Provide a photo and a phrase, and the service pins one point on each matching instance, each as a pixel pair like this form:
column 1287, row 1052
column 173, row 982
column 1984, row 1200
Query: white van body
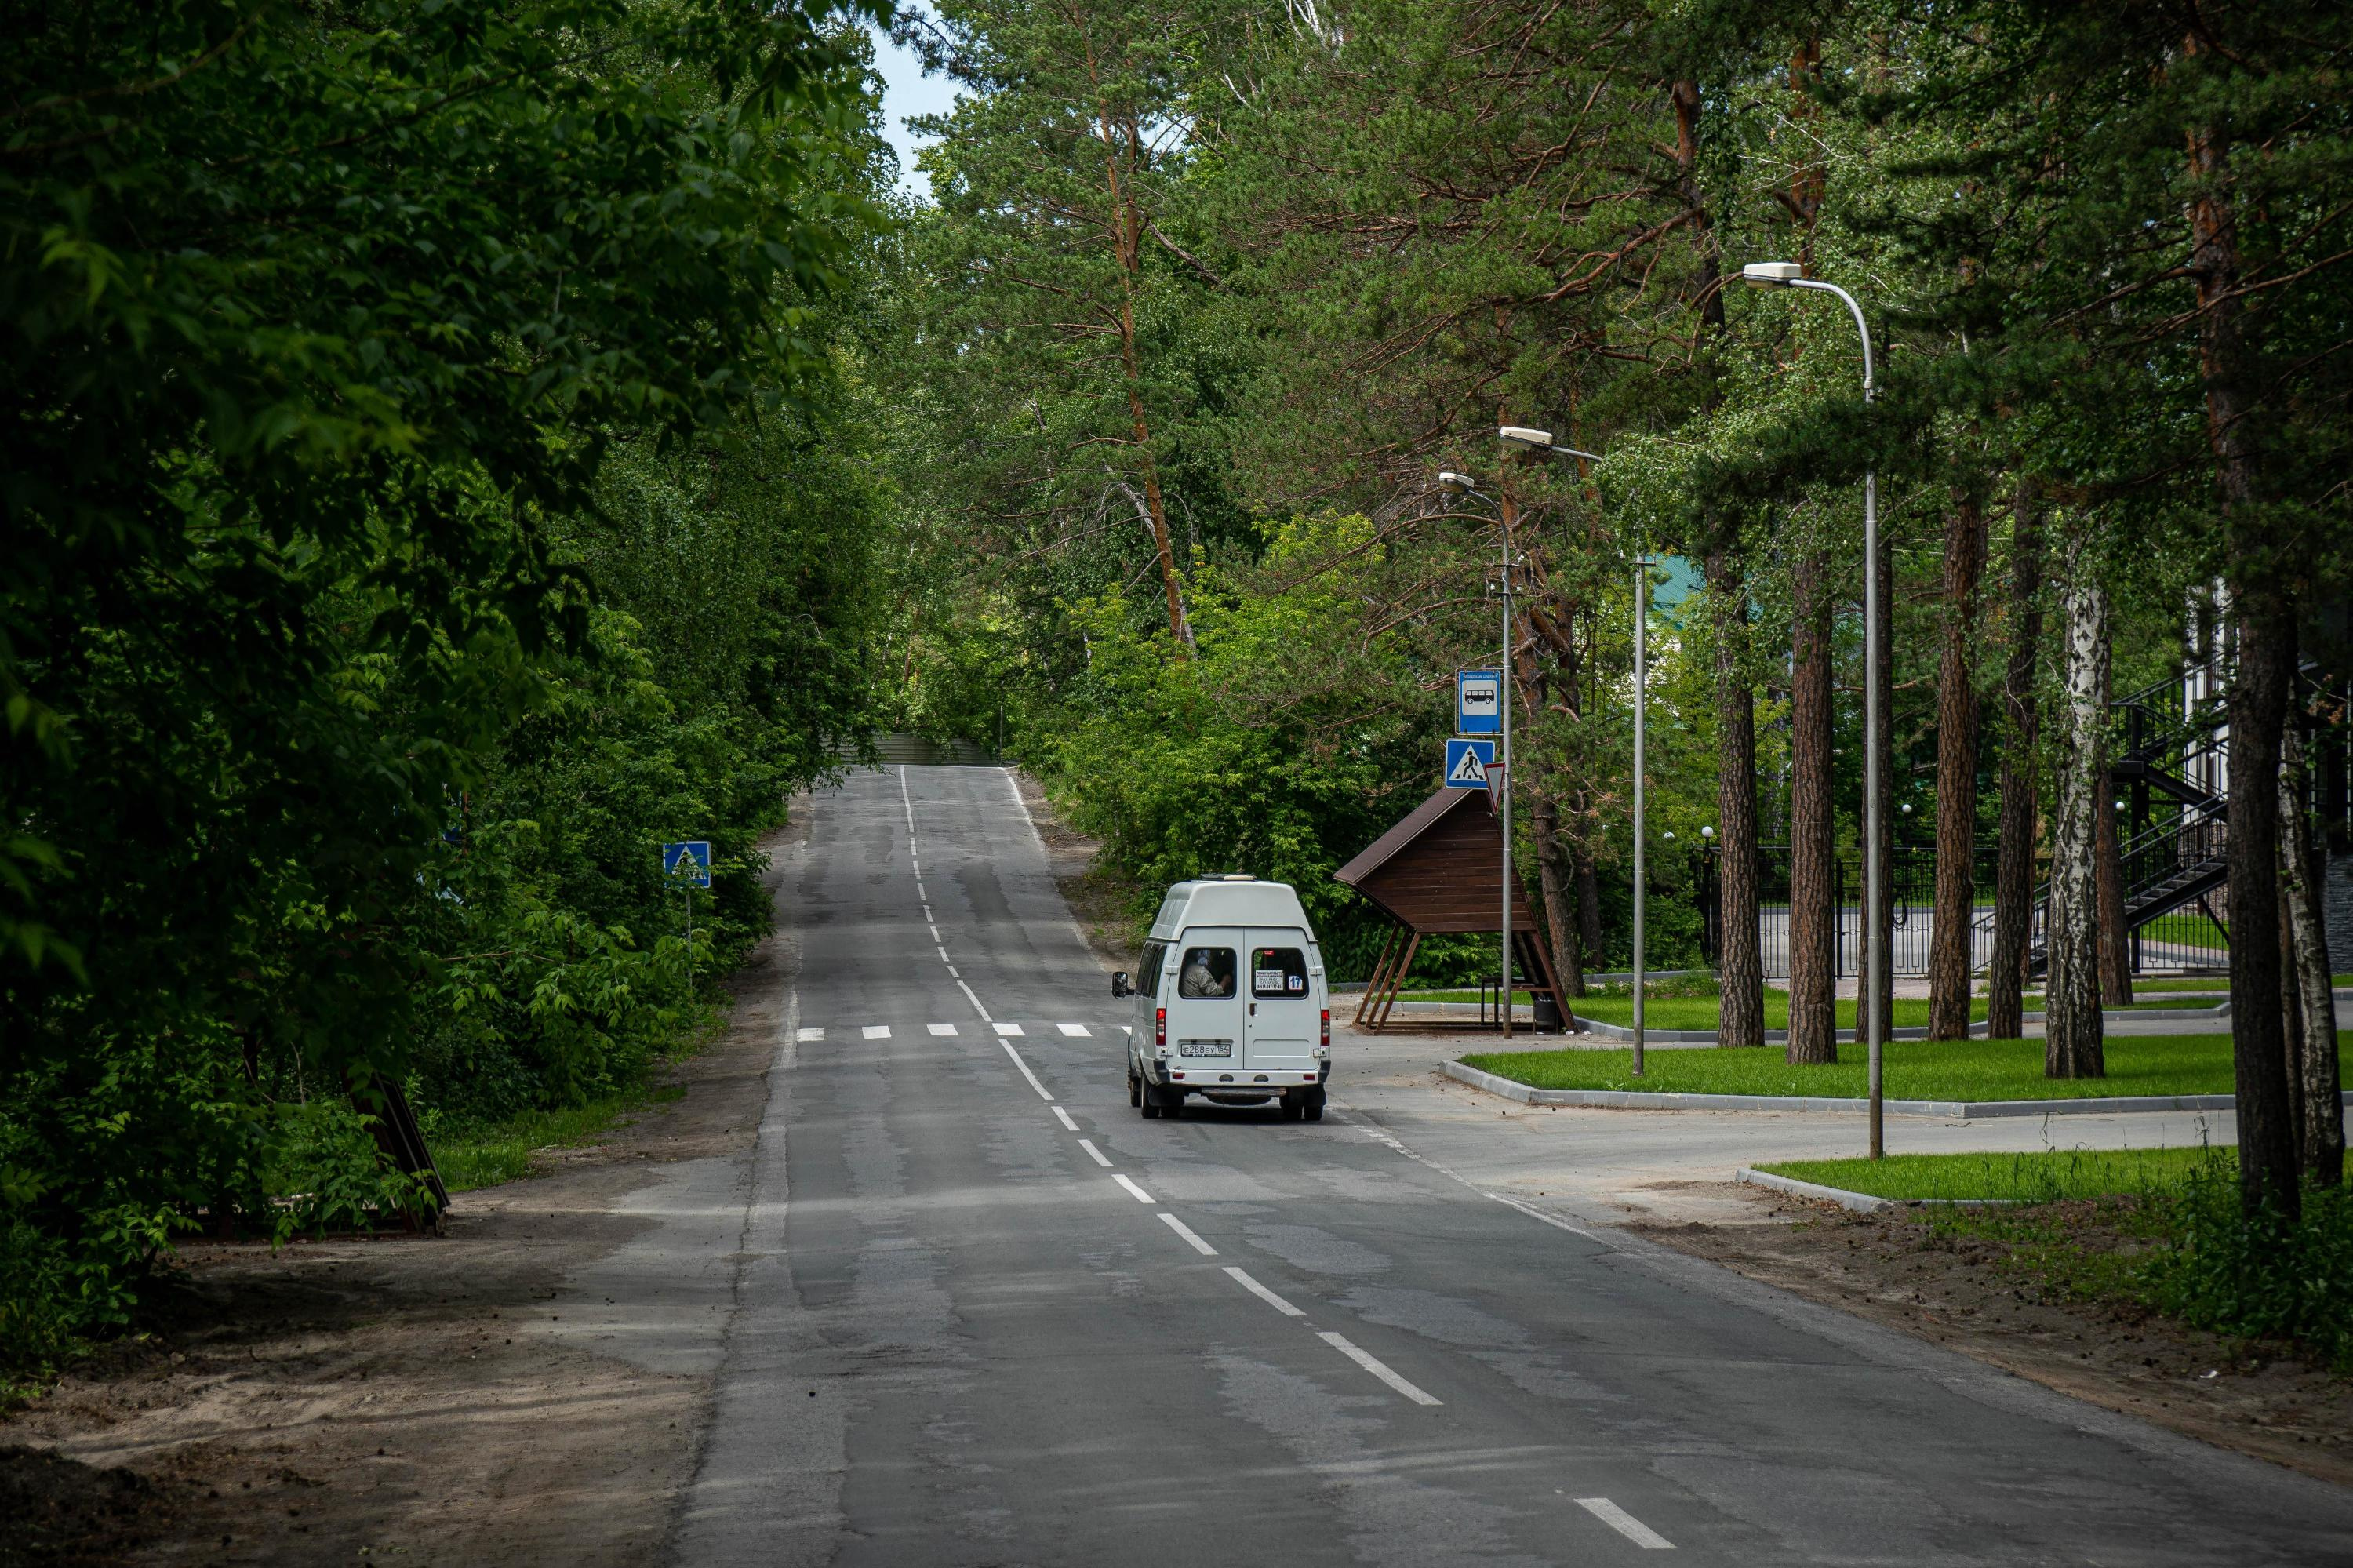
column 1230, row 1001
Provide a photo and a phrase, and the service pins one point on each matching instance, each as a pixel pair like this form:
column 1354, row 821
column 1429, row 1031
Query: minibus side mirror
column 1120, row 986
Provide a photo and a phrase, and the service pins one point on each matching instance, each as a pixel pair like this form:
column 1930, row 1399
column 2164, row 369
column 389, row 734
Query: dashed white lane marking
column 1372, row 1364
column 1068, row 1124
column 1099, row 1158
column 1140, row 1195
column 952, row 972
column 1026, row 1072
column 808, row 1035
column 934, row 930
column 942, row 951
column 1625, row 1524
column 877, row 1032
column 1009, row 1032
column 1182, row 1229
column 1263, row 1294
column 1128, row 1029
column 946, row 1031
column 909, row 801
column 970, row 998
column 1075, row 1031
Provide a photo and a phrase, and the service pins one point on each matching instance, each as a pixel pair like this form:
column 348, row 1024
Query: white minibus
column 1230, row 1002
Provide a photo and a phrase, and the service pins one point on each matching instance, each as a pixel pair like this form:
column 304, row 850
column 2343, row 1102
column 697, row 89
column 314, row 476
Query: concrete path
column 983, row 1313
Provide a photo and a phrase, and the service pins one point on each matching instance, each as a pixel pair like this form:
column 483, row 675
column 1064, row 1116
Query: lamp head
column 1707, row 832
column 1521, row 438
column 1462, row 484
column 1772, row 274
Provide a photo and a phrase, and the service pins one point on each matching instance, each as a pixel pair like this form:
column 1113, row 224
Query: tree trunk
column 1740, row 965
column 1589, row 911
column 2259, row 687
column 2116, row 942
column 2321, row 1138
column 1813, row 914
column 1555, row 877
column 1954, row 928
column 2072, row 1042
column 2013, row 897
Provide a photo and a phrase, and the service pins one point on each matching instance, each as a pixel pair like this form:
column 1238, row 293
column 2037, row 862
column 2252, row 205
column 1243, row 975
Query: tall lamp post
column 1789, row 275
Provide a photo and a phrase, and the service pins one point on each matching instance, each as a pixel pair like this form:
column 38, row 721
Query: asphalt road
column 983, row 1313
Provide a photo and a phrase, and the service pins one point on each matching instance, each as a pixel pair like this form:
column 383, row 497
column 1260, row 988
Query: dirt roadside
column 381, row 1398
column 1897, row 1272
column 1099, row 900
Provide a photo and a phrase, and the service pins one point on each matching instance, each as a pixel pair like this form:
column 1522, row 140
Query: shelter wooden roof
column 1440, row 869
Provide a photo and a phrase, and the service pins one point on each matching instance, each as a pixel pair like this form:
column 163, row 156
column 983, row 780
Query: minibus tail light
column 1160, row 1026
column 1327, row 1029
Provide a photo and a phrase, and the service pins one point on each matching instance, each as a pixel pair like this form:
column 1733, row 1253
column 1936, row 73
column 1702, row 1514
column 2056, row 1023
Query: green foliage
column 2258, row 1275
column 424, row 496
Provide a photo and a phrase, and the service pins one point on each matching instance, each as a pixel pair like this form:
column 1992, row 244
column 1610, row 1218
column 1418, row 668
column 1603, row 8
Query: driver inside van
column 1208, row 975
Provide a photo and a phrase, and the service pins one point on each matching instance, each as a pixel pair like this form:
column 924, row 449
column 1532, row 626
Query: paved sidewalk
column 1670, row 1167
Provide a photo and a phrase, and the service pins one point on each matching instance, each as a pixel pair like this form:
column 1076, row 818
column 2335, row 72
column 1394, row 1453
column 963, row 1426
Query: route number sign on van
column 1479, row 702
column 1468, row 762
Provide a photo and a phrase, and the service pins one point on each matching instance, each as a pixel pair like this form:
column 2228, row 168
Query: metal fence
column 2189, row 939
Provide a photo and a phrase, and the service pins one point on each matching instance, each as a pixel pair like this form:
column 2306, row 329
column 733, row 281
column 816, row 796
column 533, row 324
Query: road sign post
column 687, row 861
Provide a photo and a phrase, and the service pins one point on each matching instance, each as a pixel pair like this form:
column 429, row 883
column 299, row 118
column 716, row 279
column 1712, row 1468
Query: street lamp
column 1789, row 275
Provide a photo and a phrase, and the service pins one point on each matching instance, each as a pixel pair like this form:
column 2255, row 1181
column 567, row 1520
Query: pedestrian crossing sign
column 1467, row 762
column 690, row 858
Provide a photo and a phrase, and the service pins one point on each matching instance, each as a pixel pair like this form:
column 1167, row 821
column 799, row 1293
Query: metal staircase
column 2176, row 763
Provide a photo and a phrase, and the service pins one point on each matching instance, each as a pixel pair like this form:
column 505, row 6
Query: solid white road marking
column 1088, row 1145
column 910, row 801
column 1140, row 1195
column 1625, row 1524
column 1009, row 1032
column 1026, row 1072
column 877, row 1032
column 969, row 997
column 946, row 1031
column 1068, row 1124
column 1371, row 1364
column 812, row 1034
column 1128, row 1029
column 1182, row 1229
column 1075, row 1031
column 1263, row 1294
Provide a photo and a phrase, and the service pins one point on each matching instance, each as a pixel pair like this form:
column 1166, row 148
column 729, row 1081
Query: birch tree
column 2072, row 1044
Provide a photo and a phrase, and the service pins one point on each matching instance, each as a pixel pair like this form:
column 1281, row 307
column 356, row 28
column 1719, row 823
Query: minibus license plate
column 1205, row 1047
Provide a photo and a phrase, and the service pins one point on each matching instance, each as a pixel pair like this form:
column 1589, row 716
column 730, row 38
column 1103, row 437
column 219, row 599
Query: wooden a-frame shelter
column 1440, row 872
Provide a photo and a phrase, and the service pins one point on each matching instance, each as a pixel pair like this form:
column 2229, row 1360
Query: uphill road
column 982, row 1312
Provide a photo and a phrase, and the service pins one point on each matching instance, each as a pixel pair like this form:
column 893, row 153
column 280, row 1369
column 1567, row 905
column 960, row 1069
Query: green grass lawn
column 2193, row 930
column 1916, row 1069
column 2044, row 1176
column 2217, row 983
column 484, row 1156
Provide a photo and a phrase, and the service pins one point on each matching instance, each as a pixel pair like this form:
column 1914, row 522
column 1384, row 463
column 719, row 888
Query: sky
column 907, row 90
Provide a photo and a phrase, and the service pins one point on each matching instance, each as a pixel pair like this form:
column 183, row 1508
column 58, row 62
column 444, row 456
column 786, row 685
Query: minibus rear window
column 1147, row 969
column 1278, row 972
column 1207, row 974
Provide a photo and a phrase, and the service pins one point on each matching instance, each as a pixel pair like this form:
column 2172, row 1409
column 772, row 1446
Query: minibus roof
column 1229, row 901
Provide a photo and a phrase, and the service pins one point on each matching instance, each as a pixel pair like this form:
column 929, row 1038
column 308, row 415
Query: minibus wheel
column 1315, row 1107
column 1134, row 1090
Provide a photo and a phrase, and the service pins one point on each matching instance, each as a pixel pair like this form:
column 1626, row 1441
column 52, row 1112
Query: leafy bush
column 2261, row 1277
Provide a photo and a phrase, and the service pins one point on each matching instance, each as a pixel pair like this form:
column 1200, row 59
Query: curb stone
column 1861, row 1202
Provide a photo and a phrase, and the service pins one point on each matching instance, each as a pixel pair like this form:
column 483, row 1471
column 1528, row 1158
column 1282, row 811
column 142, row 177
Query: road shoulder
column 491, row 1394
